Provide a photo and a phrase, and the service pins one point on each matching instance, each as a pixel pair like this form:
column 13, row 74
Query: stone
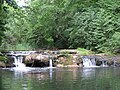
column 59, row 65
column 2, row 64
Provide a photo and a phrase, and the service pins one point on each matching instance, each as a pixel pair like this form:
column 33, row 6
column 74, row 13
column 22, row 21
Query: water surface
column 61, row 79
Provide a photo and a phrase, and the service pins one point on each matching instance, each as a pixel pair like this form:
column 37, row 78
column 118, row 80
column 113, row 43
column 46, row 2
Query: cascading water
column 50, row 63
column 50, row 67
column 104, row 63
column 87, row 62
column 19, row 65
column 18, row 61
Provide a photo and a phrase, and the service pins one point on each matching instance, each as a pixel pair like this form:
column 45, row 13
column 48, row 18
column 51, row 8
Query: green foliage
column 3, row 58
column 113, row 43
column 65, row 52
column 83, row 51
column 2, row 22
column 93, row 26
column 17, row 32
column 23, row 46
column 4, row 5
column 90, row 24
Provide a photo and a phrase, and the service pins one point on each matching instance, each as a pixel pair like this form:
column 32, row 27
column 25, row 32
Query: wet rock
column 37, row 60
column 2, row 64
column 109, row 60
column 59, row 65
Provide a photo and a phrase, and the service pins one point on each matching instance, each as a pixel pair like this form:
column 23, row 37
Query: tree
column 3, row 15
column 90, row 24
column 93, row 26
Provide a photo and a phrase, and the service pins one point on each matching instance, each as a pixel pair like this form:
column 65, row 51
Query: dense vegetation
column 4, row 6
column 89, row 24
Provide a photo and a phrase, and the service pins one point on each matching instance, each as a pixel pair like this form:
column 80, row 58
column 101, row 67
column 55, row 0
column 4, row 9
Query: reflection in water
column 18, row 74
column 88, row 72
column 61, row 79
column 51, row 72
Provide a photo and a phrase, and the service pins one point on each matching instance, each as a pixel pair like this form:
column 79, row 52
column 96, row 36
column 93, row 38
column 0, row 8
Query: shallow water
column 61, row 79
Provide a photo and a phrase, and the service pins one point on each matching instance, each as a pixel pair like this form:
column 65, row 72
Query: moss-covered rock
column 3, row 58
column 3, row 61
column 6, row 61
column 72, row 60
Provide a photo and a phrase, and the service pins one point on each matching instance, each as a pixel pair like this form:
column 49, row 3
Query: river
column 99, row 78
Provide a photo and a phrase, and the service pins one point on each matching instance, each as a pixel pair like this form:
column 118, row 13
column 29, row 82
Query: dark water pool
column 61, row 79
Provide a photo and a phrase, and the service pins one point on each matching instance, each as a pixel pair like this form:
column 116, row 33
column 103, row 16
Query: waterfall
column 104, row 63
column 114, row 63
column 50, row 68
column 87, row 62
column 18, row 61
column 50, row 63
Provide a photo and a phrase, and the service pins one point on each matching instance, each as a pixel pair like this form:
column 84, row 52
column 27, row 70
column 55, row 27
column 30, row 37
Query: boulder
column 2, row 64
column 37, row 60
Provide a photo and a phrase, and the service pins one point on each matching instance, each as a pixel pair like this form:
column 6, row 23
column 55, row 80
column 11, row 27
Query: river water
column 106, row 78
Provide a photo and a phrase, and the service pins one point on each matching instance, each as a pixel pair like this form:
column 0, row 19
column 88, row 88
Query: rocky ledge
column 63, row 58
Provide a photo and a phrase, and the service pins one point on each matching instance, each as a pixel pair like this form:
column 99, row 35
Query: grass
column 83, row 51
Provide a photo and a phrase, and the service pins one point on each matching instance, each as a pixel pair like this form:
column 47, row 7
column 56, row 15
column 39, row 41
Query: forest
column 60, row 24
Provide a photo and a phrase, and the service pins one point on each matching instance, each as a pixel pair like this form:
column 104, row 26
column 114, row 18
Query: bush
column 112, row 44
